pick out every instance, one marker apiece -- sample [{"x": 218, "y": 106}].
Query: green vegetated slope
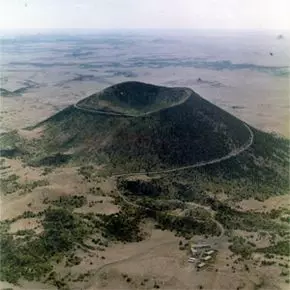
[
  {"x": 182, "y": 135},
  {"x": 35, "y": 256},
  {"x": 190, "y": 132},
  {"x": 259, "y": 172},
  {"x": 134, "y": 98}
]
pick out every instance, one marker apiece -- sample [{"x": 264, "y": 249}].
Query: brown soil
[
  {"x": 281, "y": 201},
  {"x": 26, "y": 224}
]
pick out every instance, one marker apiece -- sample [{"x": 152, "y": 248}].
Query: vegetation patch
[
  {"x": 69, "y": 201},
  {"x": 241, "y": 247},
  {"x": 11, "y": 184},
  {"x": 160, "y": 204},
  {"x": 52, "y": 160},
  {"x": 33, "y": 257},
  {"x": 280, "y": 248},
  {"x": 123, "y": 226},
  {"x": 187, "y": 225},
  {"x": 155, "y": 209},
  {"x": 248, "y": 221},
  {"x": 9, "y": 140},
  {"x": 140, "y": 187}
]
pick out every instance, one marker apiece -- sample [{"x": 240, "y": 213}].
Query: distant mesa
[
  {"x": 80, "y": 78},
  {"x": 209, "y": 83},
  {"x": 237, "y": 107},
  {"x": 193, "y": 82},
  {"x": 127, "y": 74},
  {"x": 18, "y": 92},
  {"x": 7, "y": 93}
]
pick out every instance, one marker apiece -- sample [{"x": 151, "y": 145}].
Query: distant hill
[
  {"x": 28, "y": 84},
  {"x": 6, "y": 93}
]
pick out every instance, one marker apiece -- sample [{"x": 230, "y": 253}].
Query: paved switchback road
[{"x": 231, "y": 154}]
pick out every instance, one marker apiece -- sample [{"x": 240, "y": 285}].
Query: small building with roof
[
  {"x": 201, "y": 265},
  {"x": 206, "y": 258}
]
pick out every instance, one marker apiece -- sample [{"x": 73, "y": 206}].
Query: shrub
[
  {"x": 280, "y": 248},
  {"x": 240, "y": 247},
  {"x": 122, "y": 226},
  {"x": 32, "y": 258},
  {"x": 73, "y": 201}
]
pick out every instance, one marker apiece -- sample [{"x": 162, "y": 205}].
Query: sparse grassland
[
  {"x": 279, "y": 248},
  {"x": 71, "y": 202},
  {"x": 34, "y": 256},
  {"x": 11, "y": 184},
  {"x": 249, "y": 221},
  {"x": 241, "y": 247}
]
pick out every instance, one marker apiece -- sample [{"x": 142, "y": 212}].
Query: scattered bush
[
  {"x": 240, "y": 247},
  {"x": 31, "y": 259},
  {"x": 123, "y": 226},
  {"x": 280, "y": 248},
  {"x": 267, "y": 263},
  {"x": 70, "y": 201}
]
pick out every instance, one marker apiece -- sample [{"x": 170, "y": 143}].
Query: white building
[
  {"x": 200, "y": 265},
  {"x": 209, "y": 252},
  {"x": 206, "y": 258}
]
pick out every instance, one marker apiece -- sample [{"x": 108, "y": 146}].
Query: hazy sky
[{"x": 164, "y": 14}]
